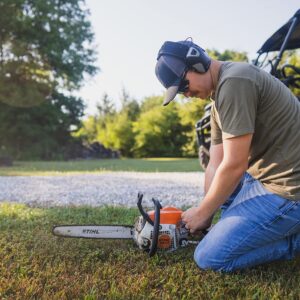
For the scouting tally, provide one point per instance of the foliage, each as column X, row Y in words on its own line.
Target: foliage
column 228, row 55
column 44, row 44
column 41, row 131
column 37, row 265
column 146, row 129
column 159, row 132
column 45, row 52
column 291, row 57
column 149, row 103
column 189, row 114
column 115, row 128
column 120, row 134
column 111, row 128
column 88, row 130
column 105, row 107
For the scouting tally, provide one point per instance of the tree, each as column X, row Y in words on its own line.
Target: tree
column 189, row 114
column 44, row 44
column 112, row 128
column 118, row 134
column 115, row 128
column 291, row 58
column 45, row 53
column 228, row 55
column 28, row 132
column 129, row 106
column 87, row 131
column 105, row 107
column 158, row 130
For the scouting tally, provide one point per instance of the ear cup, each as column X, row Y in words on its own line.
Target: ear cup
column 197, row 59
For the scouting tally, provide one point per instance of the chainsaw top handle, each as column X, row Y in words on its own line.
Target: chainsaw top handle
column 154, row 223
column 143, row 213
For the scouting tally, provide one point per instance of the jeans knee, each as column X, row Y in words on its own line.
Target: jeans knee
column 208, row 259
column 203, row 259
column 200, row 259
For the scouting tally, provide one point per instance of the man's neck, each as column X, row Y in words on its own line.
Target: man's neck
column 214, row 74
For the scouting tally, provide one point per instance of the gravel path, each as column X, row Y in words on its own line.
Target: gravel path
column 115, row 188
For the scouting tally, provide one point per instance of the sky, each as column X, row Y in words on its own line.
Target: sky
column 129, row 33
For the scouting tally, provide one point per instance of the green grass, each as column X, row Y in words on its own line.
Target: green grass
column 36, row 265
column 101, row 165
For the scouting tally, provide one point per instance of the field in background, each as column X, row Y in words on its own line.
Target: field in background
column 36, row 265
column 102, row 165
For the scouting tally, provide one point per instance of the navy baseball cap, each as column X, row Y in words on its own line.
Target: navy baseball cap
column 170, row 71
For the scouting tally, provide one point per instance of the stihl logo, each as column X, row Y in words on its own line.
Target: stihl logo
column 90, row 231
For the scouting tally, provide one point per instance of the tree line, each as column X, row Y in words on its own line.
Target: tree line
column 145, row 129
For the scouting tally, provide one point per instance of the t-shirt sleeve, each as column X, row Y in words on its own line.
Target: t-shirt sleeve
column 216, row 132
column 237, row 106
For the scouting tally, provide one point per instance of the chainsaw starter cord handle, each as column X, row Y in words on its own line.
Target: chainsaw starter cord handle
column 155, row 234
column 143, row 213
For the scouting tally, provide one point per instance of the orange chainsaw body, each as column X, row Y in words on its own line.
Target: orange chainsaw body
column 168, row 215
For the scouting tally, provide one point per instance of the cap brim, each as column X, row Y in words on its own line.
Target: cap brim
column 170, row 94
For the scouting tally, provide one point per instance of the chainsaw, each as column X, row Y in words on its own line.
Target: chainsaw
column 160, row 229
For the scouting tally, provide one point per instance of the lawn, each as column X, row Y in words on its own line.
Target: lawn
column 36, row 265
column 102, row 165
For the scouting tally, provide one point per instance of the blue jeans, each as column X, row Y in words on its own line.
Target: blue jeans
column 256, row 226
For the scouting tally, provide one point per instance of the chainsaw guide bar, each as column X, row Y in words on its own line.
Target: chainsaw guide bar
column 94, row 231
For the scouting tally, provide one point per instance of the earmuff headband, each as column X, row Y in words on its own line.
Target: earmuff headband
column 193, row 56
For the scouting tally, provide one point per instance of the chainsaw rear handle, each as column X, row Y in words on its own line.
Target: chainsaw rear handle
column 155, row 234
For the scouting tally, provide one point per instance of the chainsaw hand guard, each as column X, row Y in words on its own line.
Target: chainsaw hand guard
column 155, row 223
column 158, row 207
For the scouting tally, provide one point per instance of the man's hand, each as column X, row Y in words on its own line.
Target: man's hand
column 195, row 220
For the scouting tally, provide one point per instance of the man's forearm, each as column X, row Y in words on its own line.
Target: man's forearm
column 231, row 161
column 220, row 185
column 209, row 176
column 216, row 157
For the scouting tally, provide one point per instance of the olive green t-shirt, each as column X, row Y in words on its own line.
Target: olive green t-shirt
column 250, row 100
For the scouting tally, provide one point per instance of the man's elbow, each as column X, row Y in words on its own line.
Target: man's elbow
column 235, row 168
